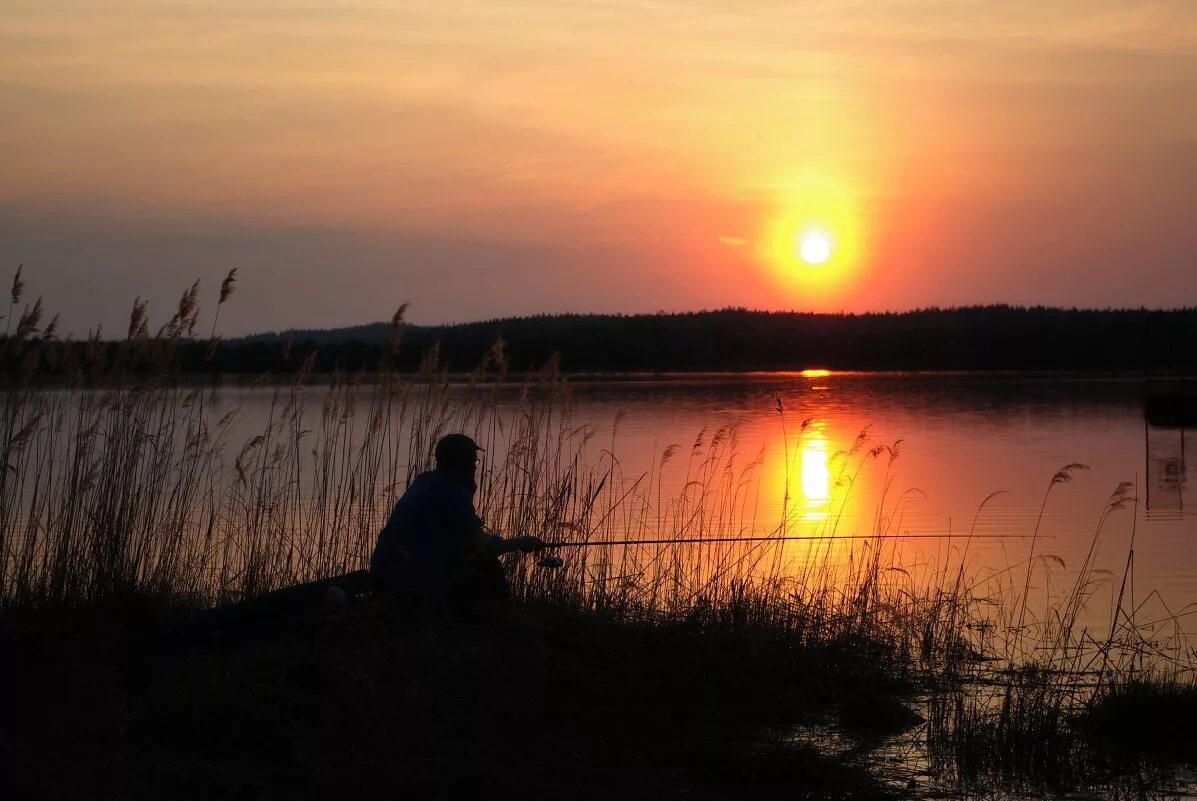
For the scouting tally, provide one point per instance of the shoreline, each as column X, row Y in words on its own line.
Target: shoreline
column 665, row 377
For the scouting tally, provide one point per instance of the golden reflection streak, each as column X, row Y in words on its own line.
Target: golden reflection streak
column 828, row 490
column 815, row 476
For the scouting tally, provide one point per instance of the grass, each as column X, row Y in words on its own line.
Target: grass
column 130, row 500
column 537, row 704
column 1147, row 715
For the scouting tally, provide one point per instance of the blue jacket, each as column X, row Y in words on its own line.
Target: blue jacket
column 435, row 525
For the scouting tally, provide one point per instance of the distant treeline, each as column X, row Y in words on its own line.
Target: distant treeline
column 973, row 338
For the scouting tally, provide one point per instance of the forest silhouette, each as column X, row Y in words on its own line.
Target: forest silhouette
column 986, row 338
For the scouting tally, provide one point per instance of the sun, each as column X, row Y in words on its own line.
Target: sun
column 814, row 247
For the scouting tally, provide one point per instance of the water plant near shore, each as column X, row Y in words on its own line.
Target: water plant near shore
column 127, row 480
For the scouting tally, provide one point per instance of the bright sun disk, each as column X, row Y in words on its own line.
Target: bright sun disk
column 815, row 247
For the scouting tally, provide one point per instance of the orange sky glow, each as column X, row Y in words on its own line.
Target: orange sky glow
column 483, row 159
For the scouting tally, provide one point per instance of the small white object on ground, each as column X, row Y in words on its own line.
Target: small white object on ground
column 335, row 596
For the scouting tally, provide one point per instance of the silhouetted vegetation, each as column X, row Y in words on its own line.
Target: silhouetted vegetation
column 551, row 703
column 984, row 338
column 974, row 338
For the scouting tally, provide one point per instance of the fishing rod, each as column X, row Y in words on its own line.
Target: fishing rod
column 810, row 537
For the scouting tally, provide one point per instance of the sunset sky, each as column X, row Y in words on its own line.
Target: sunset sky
column 489, row 158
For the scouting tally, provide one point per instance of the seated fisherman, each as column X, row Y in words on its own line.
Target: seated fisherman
column 434, row 546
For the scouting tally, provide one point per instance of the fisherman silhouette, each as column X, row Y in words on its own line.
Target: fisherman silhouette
column 434, row 547
column 433, row 551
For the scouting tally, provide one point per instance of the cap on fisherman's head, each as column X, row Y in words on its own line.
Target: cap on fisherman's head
column 456, row 450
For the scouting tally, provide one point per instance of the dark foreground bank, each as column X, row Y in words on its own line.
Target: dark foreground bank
column 319, row 703
column 310, row 701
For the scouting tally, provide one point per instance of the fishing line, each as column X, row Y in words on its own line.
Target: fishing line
column 811, row 538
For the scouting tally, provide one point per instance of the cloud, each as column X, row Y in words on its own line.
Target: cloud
column 482, row 158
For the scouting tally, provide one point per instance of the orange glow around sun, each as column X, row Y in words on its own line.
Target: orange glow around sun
column 815, row 245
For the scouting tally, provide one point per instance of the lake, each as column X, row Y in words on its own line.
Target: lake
column 962, row 438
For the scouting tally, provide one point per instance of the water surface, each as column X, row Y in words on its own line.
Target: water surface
column 959, row 438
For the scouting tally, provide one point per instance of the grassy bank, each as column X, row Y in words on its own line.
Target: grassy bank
column 651, row 669
column 540, row 703
column 136, row 700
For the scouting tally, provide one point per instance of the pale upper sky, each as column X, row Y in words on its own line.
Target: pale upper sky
column 484, row 158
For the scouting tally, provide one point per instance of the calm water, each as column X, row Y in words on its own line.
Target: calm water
column 963, row 437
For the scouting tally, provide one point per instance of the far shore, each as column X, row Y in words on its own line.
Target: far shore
column 517, row 379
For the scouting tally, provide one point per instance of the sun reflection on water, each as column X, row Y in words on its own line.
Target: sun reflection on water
column 814, row 474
